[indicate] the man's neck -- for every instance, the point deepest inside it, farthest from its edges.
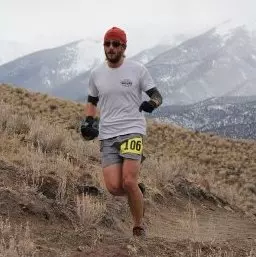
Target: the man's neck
(116, 65)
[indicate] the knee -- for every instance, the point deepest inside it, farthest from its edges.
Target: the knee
(129, 184)
(114, 190)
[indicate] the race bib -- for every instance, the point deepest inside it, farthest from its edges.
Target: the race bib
(133, 146)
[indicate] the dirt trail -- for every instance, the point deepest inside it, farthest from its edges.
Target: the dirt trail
(183, 227)
(186, 221)
(201, 224)
(232, 236)
(183, 222)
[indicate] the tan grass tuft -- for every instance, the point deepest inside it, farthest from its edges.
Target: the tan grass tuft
(15, 241)
(89, 210)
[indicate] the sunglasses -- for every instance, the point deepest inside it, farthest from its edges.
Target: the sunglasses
(113, 43)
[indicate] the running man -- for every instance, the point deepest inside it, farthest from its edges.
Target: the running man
(116, 87)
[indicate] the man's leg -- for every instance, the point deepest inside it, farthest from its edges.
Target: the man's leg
(131, 170)
(113, 179)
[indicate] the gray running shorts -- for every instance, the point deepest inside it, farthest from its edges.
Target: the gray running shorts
(114, 150)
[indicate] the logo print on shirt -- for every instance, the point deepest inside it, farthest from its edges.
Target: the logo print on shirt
(126, 83)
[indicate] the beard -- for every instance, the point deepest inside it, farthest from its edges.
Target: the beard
(113, 57)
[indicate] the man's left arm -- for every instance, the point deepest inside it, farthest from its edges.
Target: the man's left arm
(154, 102)
(155, 96)
(148, 86)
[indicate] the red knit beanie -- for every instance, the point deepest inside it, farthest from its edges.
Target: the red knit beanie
(116, 33)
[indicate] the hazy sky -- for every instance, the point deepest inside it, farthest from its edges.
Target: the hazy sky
(51, 22)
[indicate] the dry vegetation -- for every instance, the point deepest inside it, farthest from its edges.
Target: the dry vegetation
(45, 164)
(224, 166)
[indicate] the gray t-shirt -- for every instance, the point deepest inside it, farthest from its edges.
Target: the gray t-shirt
(120, 95)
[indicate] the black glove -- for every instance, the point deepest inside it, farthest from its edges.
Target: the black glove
(147, 106)
(89, 128)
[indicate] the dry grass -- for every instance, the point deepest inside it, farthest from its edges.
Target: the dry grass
(53, 110)
(219, 252)
(224, 166)
(229, 166)
(89, 209)
(15, 241)
(42, 149)
(39, 137)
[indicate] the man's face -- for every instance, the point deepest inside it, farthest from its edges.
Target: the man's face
(114, 50)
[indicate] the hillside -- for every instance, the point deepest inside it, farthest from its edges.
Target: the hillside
(232, 116)
(200, 189)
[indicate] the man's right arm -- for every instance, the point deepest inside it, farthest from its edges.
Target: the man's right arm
(92, 99)
(88, 129)
(91, 106)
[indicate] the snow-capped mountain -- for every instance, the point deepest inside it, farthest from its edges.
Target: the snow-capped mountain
(227, 116)
(11, 50)
(219, 62)
(75, 88)
(62, 71)
(147, 55)
(247, 87)
(210, 65)
(165, 43)
(47, 69)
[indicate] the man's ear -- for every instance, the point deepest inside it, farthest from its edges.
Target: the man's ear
(124, 46)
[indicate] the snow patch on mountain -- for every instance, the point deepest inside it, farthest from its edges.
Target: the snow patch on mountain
(224, 28)
(47, 82)
(88, 54)
(229, 116)
(228, 26)
(215, 107)
(146, 58)
(165, 78)
(227, 29)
